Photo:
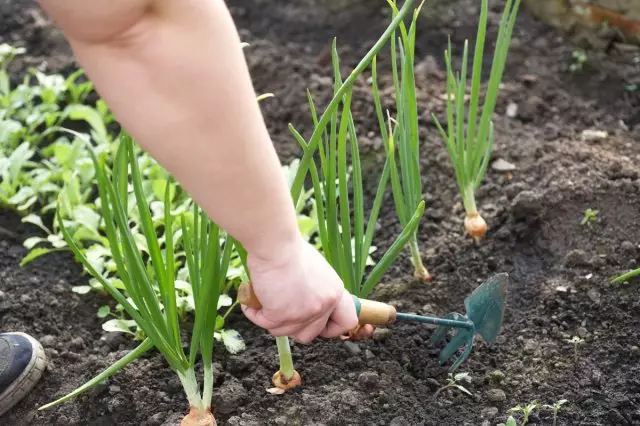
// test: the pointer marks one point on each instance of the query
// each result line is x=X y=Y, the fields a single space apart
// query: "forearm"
x=178 y=83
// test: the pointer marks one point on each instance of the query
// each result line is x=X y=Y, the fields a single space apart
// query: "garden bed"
x=559 y=268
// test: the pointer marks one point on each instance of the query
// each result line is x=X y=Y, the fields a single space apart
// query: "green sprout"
x=555 y=408
x=576 y=342
x=511 y=421
x=454 y=381
x=578 y=59
x=207 y=253
x=624 y=278
x=590 y=216
x=406 y=185
x=526 y=411
x=470 y=151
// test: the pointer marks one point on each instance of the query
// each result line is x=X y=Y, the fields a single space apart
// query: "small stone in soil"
x=512 y=110
x=635 y=349
x=114 y=389
x=77 y=343
x=352 y=347
x=628 y=247
x=113 y=340
x=369 y=380
x=381 y=334
x=503 y=166
x=496 y=396
x=229 y=396
x=582 y=332
x=576 y=258
x=156 y=419
x=369 y=355
x=489 y=413
x=594 y=295
x=48 y=340
x=530 y=346
x=399 y=421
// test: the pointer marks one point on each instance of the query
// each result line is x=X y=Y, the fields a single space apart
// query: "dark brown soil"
x=559 y=269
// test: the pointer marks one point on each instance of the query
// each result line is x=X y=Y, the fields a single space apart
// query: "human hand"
x=301 y=295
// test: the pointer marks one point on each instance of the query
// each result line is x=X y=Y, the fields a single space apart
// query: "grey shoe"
x=22 y=362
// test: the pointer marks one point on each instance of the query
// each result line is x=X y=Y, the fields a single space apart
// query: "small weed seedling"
x=469 y=135
x=576 y=342
x=555 y=408
x=590 y=217
x=511 y=421
x=578 y=59
x=455 y=381
x=526 y=411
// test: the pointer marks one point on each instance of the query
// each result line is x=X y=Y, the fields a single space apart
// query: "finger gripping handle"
x=368 y=311
x=247 y=297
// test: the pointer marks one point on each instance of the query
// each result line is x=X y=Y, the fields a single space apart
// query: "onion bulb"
x=475 y=225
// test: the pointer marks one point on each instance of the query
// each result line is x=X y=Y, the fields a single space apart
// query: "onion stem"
x=286 y=360
x=191 y=388
x=416 y=259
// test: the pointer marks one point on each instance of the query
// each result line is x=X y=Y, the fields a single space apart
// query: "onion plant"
x=344 y=234
x=286 y=371
x=406 y=185
x=469 y=134
x=207 y=252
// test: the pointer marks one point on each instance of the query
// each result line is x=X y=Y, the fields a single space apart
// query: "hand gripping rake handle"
x=484 y=312
x=368 y=311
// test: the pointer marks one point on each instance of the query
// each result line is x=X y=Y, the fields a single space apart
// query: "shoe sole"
x=28 y=379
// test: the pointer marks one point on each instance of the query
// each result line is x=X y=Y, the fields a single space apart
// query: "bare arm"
x=173 y=73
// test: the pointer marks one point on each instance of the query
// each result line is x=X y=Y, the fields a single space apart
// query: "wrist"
x=275 y=248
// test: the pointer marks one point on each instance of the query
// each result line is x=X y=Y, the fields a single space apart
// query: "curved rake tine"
x=441 y=332
x=463 y=357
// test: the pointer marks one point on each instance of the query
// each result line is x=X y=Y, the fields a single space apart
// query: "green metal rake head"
x=484 y=313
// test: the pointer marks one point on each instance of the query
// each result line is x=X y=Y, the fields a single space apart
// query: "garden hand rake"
x=484 y=313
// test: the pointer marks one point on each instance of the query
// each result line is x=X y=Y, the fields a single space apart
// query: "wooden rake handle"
x=368 y=311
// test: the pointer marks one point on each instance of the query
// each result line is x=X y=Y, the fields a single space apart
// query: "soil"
x=559 y=269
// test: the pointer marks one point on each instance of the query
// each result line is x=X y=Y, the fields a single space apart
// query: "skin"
x=175 y=77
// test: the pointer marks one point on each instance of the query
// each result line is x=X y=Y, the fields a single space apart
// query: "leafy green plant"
x=469 y=138
x=590 y=217
x=555 y=408
x=526 y=411
x=455 y=381
x=155 y=313
x=406 y=184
